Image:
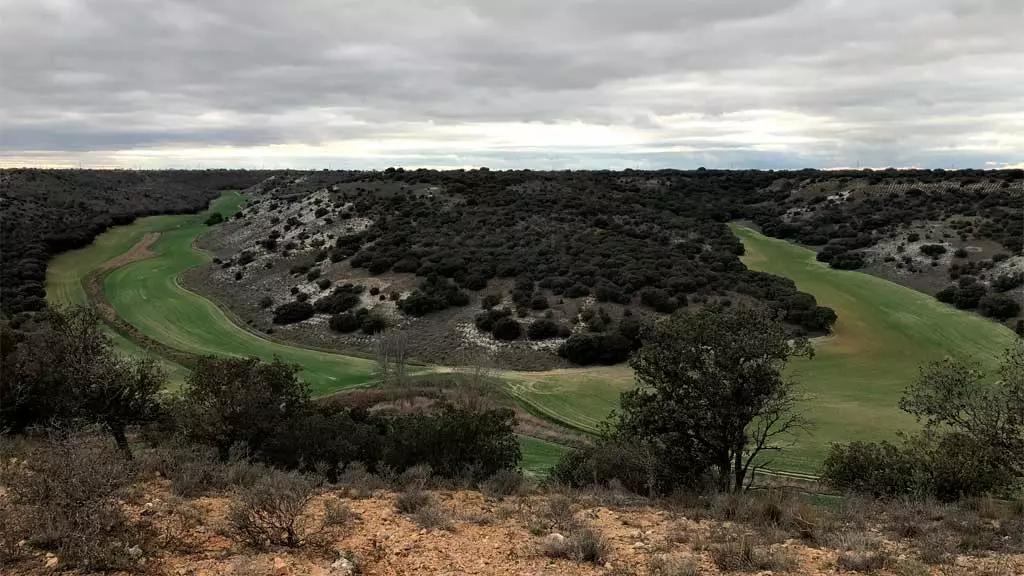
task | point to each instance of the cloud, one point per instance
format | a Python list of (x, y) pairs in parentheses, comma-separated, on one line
[(573, 83)]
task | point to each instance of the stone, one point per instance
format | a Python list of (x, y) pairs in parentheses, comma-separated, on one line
[(51, 560), (343, 567), (135, 551), (555, 538)]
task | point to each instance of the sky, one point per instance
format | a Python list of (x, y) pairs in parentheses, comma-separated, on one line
[(542, 84)]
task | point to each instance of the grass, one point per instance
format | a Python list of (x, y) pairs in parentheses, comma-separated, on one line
[(539, 456), (147, 294), (884, 333)]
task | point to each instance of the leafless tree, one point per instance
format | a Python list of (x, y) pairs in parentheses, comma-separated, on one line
[(392, 358), (476, 381)]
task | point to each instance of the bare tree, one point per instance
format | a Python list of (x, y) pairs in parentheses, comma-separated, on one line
[(392, 358), (475, 380)]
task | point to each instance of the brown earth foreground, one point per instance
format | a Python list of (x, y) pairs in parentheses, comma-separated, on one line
[(510, 536)]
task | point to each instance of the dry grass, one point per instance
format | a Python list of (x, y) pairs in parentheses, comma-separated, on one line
[(672, 565), (583, 545)]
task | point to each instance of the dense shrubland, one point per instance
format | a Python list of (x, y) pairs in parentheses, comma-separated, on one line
[(652, 240), (45, 212), (845, 224)]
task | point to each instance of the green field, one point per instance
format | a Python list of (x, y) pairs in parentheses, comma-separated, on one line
[(884, 333), (539, 456), (147, 294)]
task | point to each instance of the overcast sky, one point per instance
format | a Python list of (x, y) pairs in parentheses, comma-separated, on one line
[(512, 83)]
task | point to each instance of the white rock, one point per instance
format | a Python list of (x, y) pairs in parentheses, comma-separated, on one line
[(344, 566), (555, 538)]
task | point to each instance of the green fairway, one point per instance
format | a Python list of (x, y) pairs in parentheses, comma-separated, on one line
[(539, 456), (581, 398), (147, 294), (884, 333)]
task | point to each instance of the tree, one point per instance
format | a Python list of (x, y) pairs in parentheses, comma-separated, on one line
[(127, 395), (959, 396), (392, 357), (291, 312), (999, 306), (507, 328), (65, 370), (240, 400), (711, 383)]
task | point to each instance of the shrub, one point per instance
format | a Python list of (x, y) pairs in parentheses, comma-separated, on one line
[(998, 306), (337, 302), (539, 303), (960, 253), (66, 495), (454, 442), (323, 283), (671, 565), (584, 349), (245, 257), (373, 323), (577, 291), (291, 312), (412, 501), (866, 562), (744, 556), (503, 483), (273, 511), (266, 302), (949, 294), (583, 545), (214, 219), (302, 297), (489, 301), (232, 403), (1007, 282), (313, 274), (431, 517), (359, 482), (345, 323), (876, 468), (485, 320), (300, 268), (659, 300), (542, 329), (968, 297), (507, 329), (933, 250)]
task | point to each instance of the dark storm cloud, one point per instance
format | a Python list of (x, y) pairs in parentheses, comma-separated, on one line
[(552, 84)]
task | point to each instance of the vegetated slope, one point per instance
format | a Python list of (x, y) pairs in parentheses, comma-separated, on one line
[(956, 235), (147, 295), (502, 260), (45, 212), (884, 333)]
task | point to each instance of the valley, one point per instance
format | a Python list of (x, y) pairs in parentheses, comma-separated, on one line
[(852, 386)]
